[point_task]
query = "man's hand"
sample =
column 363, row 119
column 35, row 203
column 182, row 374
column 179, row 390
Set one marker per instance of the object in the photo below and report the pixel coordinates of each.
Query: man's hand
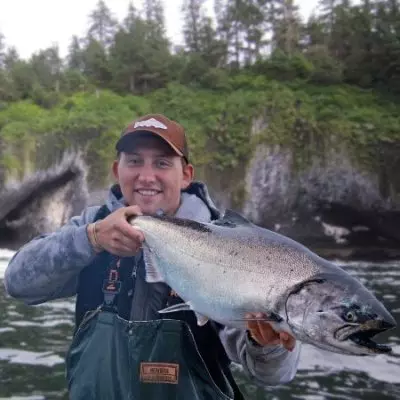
column 117, row 236
column 264, row 334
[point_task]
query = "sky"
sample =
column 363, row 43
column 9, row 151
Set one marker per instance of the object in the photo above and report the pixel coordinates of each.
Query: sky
column 31, row 25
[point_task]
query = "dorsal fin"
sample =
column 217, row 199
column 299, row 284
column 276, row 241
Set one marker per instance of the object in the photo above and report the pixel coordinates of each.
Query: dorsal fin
column 236, row 218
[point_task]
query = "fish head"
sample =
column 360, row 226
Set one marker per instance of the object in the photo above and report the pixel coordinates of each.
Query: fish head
column 335, row 312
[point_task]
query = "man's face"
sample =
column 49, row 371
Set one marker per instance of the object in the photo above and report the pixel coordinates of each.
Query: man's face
column 151, row 175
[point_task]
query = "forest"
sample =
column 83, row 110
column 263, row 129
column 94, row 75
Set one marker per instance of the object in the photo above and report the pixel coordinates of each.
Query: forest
column 333, row 75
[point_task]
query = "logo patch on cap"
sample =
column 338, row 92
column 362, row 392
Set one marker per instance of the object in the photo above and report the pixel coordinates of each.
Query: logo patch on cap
column 148, row 123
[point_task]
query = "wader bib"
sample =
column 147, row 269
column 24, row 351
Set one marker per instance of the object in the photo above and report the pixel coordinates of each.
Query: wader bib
column 113, row 358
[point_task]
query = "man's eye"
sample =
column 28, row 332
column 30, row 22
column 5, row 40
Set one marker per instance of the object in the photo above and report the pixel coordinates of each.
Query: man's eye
column 163, row 163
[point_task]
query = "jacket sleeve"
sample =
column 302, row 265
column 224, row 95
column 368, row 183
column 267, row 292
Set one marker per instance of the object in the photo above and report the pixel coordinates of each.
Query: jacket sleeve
column 47, row 267
column 265, row 365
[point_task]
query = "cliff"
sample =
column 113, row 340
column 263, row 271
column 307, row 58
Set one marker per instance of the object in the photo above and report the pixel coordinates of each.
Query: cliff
column 317, row 163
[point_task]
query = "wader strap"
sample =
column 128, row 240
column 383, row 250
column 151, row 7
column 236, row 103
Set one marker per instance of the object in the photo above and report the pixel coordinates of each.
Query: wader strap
column 112, row 286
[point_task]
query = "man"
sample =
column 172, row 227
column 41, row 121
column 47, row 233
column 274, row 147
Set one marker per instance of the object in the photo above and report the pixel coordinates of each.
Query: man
column 122, row 348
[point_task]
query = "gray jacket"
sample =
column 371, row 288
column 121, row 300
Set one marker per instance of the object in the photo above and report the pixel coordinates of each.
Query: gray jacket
column 47, row 268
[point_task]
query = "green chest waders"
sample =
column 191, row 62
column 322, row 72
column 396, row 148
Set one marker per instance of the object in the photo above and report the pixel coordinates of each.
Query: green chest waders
column 111, row 358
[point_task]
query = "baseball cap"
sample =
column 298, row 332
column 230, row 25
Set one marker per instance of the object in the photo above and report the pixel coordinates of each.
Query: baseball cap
column 159, row 125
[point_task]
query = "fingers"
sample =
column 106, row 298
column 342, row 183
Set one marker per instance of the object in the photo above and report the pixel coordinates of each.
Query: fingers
column 288, row 341
column 131, row 243
column 129, row 232
column 264, row 333
column 126, row 239
column 117, row 235
column 132, row 211
column 126, row 228
column 261, row 331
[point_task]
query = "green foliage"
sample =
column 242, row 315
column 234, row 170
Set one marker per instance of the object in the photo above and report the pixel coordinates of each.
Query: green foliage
column 258, row 62
column 306, row 117
column 88, row 121
column 283, row 66
column 326, row 69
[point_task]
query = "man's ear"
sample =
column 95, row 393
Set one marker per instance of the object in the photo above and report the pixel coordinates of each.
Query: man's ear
column 188, row 174
column 115, row 169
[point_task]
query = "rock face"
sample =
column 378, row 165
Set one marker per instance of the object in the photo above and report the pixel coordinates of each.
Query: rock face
column 331, row 201
column 329, row 205
column 42, row 202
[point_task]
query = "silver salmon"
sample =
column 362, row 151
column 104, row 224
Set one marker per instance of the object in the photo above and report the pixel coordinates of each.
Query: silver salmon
column 229, row 267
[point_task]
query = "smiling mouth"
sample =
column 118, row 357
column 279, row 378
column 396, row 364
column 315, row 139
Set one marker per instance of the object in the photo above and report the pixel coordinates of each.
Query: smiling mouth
column 148, row 192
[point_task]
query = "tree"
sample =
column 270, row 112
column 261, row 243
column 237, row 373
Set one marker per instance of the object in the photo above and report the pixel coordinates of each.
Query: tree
column 313, row 32
column 2, row 50
column 140, row 54
column 154, row 16
column 10, row 58
column 341, row 33
column 75, row 55
column 240, row 23
column 131, row 17
column 102, row 25
column 46, row 66
column 23, row 78
column 193, row 15
column 287, row 33
column 327, row 15
column 96, row 63
column 385, row 60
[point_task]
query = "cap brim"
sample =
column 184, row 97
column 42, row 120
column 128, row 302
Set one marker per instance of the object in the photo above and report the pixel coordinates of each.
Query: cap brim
column 126, row 141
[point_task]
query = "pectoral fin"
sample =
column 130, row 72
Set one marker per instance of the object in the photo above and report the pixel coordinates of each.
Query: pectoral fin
column 201, row 319
column 176, row 308
column 268, row 317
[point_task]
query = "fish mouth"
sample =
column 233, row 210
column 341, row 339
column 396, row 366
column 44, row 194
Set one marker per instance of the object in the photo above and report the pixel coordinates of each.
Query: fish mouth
column 364, row 339
column 364, row 334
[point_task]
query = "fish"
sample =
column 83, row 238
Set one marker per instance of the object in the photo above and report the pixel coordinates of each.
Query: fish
column 229, row 267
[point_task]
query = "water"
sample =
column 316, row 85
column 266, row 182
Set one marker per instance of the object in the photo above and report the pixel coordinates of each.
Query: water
column 33, row 342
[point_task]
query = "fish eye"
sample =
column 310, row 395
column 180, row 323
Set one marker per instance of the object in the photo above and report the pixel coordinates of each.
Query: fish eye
column 350, row 316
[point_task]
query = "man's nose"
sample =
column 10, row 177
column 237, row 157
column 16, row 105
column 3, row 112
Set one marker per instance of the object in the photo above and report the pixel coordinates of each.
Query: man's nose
column 146, row 174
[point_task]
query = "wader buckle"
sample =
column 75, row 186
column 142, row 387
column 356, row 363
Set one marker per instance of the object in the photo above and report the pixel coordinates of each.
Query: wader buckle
column 111, row 286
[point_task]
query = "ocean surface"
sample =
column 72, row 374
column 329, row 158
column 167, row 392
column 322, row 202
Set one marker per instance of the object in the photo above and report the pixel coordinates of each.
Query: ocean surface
column 33, row 342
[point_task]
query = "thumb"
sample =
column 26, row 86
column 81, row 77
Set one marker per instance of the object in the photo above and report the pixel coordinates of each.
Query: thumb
column 132, row 211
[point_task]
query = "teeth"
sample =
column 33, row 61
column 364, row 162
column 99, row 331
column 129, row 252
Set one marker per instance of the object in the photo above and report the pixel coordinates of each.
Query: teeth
column 148, row 192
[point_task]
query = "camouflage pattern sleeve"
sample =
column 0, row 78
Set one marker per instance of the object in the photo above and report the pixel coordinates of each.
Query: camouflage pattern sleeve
column 47, row 267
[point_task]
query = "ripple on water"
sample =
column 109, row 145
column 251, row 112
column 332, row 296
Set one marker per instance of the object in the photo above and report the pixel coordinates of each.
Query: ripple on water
column 7, row 329
column 23, row 398
column 381, row 367
column 17, row 356
column 43, row 323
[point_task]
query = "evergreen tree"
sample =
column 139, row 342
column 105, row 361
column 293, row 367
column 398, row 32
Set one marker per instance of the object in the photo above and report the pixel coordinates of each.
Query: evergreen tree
column 46, row 66
column 2, row 50
column 96, row 63
column 154, row 16
column 287, row 32
column 75, row 55
column 102, row 25
column 193, row 24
